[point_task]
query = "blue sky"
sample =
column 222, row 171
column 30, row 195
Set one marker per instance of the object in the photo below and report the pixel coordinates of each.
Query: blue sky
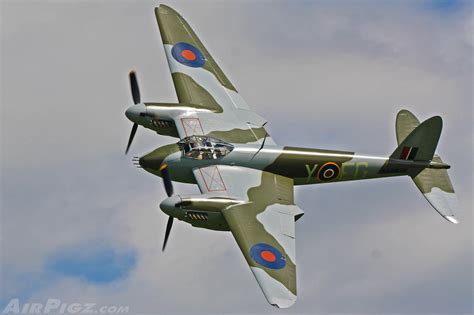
column 79, row 222
column 446, row 6
column 99, row 264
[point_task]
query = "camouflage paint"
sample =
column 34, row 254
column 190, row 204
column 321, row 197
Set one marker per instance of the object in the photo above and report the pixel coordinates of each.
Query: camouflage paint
column 190, row 209
column 152, row 161
column 299, row 162
column 199, row 97
column 239, row 135
column 174, row 29
column 429, row 178
column 261, row 197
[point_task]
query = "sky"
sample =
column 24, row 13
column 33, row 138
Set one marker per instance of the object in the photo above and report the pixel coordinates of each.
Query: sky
column 80, row 223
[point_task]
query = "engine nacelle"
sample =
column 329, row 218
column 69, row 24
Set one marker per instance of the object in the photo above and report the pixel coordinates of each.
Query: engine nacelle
column 160, row 117
column 199, row 211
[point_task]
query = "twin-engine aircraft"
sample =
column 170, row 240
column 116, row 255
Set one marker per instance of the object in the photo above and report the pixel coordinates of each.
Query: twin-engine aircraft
column 246, row 180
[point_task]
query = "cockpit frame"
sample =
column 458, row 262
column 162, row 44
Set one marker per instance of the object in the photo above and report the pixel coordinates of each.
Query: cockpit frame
column 204, row 147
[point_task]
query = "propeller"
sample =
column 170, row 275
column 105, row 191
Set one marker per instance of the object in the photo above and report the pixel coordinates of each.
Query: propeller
column 166, row 179
column 167, row 233
column 136, row 100
column 169, row 191
column 134, row 87
column 132, row 134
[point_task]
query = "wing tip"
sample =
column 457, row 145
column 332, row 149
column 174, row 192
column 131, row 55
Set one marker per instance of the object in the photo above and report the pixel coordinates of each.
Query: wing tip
column 282, row 303
column 445, row 203
column 164, row 9
column 451, row 219
column 274, row 291
column 168, row 20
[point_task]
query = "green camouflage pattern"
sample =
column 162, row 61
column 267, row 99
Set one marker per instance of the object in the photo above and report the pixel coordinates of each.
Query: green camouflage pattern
column 190, row 92
column 174, row 29
column 405, row 123
column 239, row 135
column 248, row 230
column 430, row 178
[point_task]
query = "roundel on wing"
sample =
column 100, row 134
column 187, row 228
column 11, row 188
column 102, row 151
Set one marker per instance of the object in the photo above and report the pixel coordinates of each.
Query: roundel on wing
column 267, row 256
column 188, row 55
column 328, row 171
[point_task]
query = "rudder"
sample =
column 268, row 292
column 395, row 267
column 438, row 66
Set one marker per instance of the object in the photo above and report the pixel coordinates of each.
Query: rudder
column 420, row 143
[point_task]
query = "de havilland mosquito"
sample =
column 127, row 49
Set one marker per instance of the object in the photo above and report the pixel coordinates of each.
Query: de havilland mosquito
column 246, row 180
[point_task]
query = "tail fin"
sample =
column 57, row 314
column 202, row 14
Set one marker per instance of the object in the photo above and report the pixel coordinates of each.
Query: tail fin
column 418, row 142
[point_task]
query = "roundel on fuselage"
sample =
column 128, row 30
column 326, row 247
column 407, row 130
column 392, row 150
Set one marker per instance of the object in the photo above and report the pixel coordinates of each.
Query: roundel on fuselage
column 328, row 171
column 188, row 55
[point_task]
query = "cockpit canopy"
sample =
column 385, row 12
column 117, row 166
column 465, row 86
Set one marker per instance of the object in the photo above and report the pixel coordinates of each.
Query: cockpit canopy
column 204, row 147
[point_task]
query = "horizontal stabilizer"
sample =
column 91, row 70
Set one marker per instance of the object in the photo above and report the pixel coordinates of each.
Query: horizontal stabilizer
column 405, row 124
column 436, row 187
column 417, row 144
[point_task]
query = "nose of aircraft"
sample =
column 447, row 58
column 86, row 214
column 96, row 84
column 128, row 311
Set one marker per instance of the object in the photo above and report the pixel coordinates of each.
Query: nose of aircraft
column 151, row 161
column 154, row 159
column 136, row 112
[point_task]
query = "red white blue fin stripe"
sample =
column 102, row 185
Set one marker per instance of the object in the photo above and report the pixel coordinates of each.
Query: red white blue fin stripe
column 408, row 153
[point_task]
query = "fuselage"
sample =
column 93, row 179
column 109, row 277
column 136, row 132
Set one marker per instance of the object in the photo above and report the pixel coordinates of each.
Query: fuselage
column 305, row 166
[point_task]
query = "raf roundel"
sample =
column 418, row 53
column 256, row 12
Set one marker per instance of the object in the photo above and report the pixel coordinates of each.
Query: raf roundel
column 328, row 171
column 267, row 256
column 188, row 55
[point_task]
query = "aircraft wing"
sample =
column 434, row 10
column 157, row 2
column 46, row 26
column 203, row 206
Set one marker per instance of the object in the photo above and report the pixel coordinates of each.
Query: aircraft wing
column 216, row 108
column 263, row 224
